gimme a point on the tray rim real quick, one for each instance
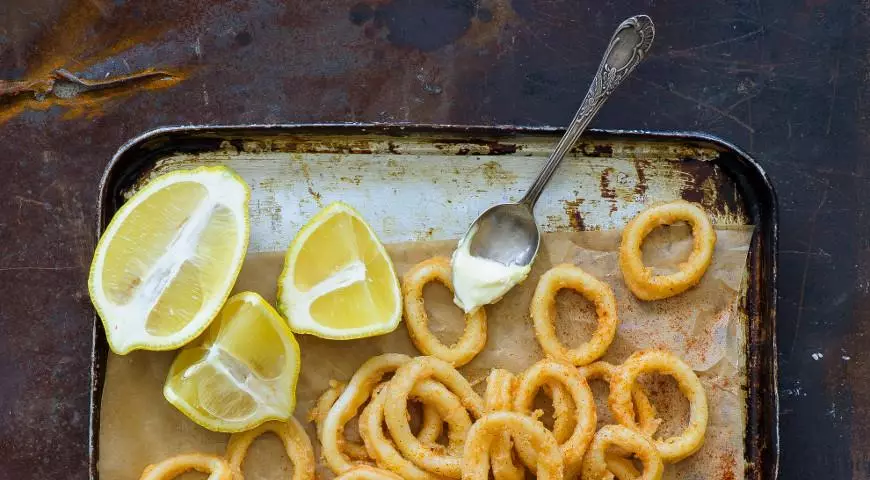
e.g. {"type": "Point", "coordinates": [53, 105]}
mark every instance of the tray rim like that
{"type": "Point", "coordinates": [769, 229]}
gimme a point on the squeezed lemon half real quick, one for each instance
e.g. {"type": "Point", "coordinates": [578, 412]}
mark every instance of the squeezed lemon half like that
{"type": "Point", "coordinates": [241, 372]}
{"type": "Point", "coordinates": [338, 280]}
{"type": "Point", "coordinates": [169, 258]}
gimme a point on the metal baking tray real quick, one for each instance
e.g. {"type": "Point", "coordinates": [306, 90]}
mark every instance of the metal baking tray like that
{"type": "Point", "coordinates": [396, 173]}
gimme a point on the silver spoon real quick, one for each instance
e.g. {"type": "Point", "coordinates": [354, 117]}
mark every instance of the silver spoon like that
{"type": "Point", "coordinates": [508, 233]}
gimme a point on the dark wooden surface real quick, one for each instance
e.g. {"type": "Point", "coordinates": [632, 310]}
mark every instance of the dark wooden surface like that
{"type": "Point", "coordinates": [784, 79]}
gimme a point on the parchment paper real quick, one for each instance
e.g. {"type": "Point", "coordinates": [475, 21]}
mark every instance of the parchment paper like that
{"type": "Point", "coordinates": [703, 326]}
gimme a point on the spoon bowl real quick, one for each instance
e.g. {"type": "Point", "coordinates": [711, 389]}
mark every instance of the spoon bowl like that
{"type": "Point", "coordinates": [506, 233]}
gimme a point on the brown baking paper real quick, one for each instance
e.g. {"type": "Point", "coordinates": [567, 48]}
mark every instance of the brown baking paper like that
{"type": "Point", "coordinates": [702, 325]}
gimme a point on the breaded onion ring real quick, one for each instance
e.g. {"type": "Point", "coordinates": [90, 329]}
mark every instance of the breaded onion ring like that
{"type": "Point", "coordinates": [672, 449]}
{"type": "Point", "coordinates": [399, 390]}
{"type": "Point", "coordinates": [595, 466]}
{"type": "Point", "coordinates": [533, 380]}
{"type": "Point", "coordinates": [429, 432]}
{"type": "Point", "coordinates": [646, 412]}
{"type": "Point", "coordinates": [473, 338]}
{"type": "Point", "coordinates": [500, 391]}
{"type": "Point", "coordinates": [382, 449]}
{"type": "Point", "coordinates": [486, 430]}
{"type": "Point", "coordinates": [292, 435]}
{"type": "Point", "coordinates": [216, 467]}
{"type": "Point", "coordinates": [365, 472]}
{"type": "Point", "coordinates": [638, 277]}
{"type": "Point", "coordinates": [543, 311]}
{"type": "Point", "coordinates": [351, 399]}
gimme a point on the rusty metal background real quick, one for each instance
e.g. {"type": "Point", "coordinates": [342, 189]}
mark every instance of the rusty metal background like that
{"type": "Point", "coordinates": [294, 170]}
{"type": "Point", "coordinates": [784, 79]}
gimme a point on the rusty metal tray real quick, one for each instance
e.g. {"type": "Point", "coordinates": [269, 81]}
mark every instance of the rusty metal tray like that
{"type": "Point", "coordinates": [384, 170]}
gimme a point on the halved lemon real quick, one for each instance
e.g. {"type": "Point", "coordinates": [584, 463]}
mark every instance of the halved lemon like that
{"type": "Point", "coordinates": [169, 258]}
{"type": "Point", "coordinates": [338, 280]}
{"type": "Point", "coordinates": [241, 372]}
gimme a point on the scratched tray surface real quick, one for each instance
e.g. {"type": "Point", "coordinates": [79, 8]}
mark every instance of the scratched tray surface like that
{"type": "Point", "coordinates": [430, 183]}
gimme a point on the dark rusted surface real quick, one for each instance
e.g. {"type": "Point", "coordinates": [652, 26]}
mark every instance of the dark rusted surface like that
{"type": "Point", "coordinates": [784, 79]}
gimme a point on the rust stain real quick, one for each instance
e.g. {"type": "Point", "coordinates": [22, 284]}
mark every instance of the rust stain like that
{"type": "Point", "coordinates": [474, 147]}
{"type": "Point", "coordinates": [396, 169]}
{"type": "Point", "coordinates": [316, 196]}
{"type": "Point", "coordinates": [640, 167]}
{"type": "Point", "coordinates": [429, 234]}
{"type": "Point", "coordinates": [575, 217]}
{"type": "Point", "coordinates": [594, 150]}
{"type": "Point", "coordinates": [69, 40]}
{"type": "Point", "coordinates": [337, 145]}
{"type": "Point", "coordinates": [608, 192]}
{"type": "Point", "coordinates": [84, 99]}
{"type": "Point", "coordinates": [726, 466]}
{"type": "Point", "coordinates": [306, 172]}
{"type": "Point", "coordinates": [495, 174]}
{"type": "Point", "coordinates": [356, 179]}
{"type": "Point", "coordinates": [698, 173]}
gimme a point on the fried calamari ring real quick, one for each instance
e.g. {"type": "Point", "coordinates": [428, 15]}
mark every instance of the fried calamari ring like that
{"type": "Point", "coordinates": [487, 429]}
{"type": "Point", "coordinates": [549, 372]}
{"type": "Point", "coordinates": [473, 338]}
{"type": "Point", "coordinates": [595, 466]}
{"type": "Point", "coordinates": [500, 390]}
{"type": "Point", "coordinates": [564, 420]}
{"type": "Point", "coordinates": [543, 312]}
{"type": "Point", "coordinates": [646, 412]}
{"type": "Point", "coordinates": [292, 435]}
{"type": "Point", "coordinates": [351, 399]}
{"type": "Point", "coordinates": [317, 414]}
{"type": "Point", "coordinates": [638, 277]}
{"type": "Point", "coordinates": [399, 390]}
{"type": "Point", "coordinates": [429, 432]}
{"type": "Point", "coordinates": [384, 451]}
{"type": "Point", "coordinates": [675, 448]}
{"type": "Point", "coordinates": [622, 468]}
{"type": "Point", "coordinates": [365, 472]}
{"type": "Point", "coordinates": [216, 467]}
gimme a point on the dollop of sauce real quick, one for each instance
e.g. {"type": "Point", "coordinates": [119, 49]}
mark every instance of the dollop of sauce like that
{"type": "Point", "coordinates": [480, 281]}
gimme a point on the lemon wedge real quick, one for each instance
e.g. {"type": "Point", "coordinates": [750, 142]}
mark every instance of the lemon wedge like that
{"type": "Point", "coordinates": [241, 372]}
{"type": "Point", "coordinates": [338, 281]}
{"type": "Point", "coordinates": [169, 258]}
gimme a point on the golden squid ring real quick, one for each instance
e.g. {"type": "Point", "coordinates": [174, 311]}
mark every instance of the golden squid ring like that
{"type": "Point", "coordinates": [399, 390]}
{"type": "Point", "coordinates": [384, 451]}
{"type": "Point", "coordinates": [489, 428]}
{"type": "Point", "coordinates": [543, 311]}
{"type": "Point", "coordinates": [639, 278]}
{"type": "Point", "coordinates": [473, 338]}
{"type": "Point", "coordinates": [690, 440]}
{"type": "Point", "coordinates": [429, 431]}
{"type": "Point", "coordinates": [549, 372]}
{"type": "Point", "coordinates": [595, 464]}
{"type": "Point", "coordinates": [622, 468]}
{"type": "Point", "coordinates": [366, 472]}
{"type": "Point", "coordinates": [317, 414]}
{"type": "Point", "coordinates": [358, 390]}
{"type": "Point", "coordinates": [292, 435]}
{"type": "Point", "coordinates": [646, 412]}
{"type": "Point", "coordinates": [216, 467]}
{"type": "Point", "coordinates": [500, 392]}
